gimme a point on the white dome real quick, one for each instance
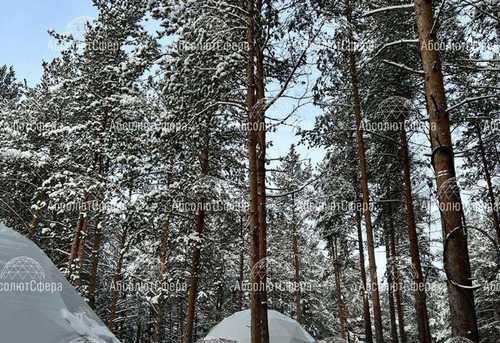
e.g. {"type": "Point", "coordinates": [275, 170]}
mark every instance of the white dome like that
{"type": "Point", "coordinates": [35, 295]}
{"type": "Point", "coordinates": [282, 329]}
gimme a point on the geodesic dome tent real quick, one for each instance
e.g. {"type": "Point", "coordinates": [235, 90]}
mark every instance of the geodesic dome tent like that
{"type": "Point", "coordinates": [37, 304]}
{"type": "Point", "coordinates": [236, 328]}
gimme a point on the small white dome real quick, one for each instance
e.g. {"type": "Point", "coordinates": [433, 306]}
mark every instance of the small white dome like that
{"type": "Point", "coordinates": [282, 329]}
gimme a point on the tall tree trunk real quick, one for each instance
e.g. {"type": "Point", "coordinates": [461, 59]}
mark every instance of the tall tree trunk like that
{"type": "Point", "coordinates": [78, 241]}
{"type": "Point", "coordinates": [256, 161]}
{"type": "Point", "coordinates": [99, 232]}
{"type": "Point", "coordinates": [296, 264]}
{"type": "Point", "coordinates": [164, 253]}
{"type": "Point", "coordinates": [377, 313]}
{"type": "Point", "coordinates": [180, 315]}
{"type": "Point", "coordinates": [418, 277]}
{"type": "Point", "coordinates": [96, 253]}
{"type": "Point", "coordinates": [98, 238]}
{"type": "Point", "coordinates": [241, 265]}
{"type": "Point", "coordinates": [138, 335]}
{"type": "Point", "coordinates": [261, 164]}
{"type": "Point", "coordinates": [256, 315]}
{"type": "Point", "coordinates": [461, 300]}
{"type": "Point", "coordinates": [170, 321]}
{"type": "Point", "coordinates": [397, 279]}
{"type": "Point", "coordinates": [35, 220]}
{"type": "Point", "coordinates": [390, 281]}
{"type": "Point", "coordinates": [196, 258]}
{"type": "Point", "coordinates": [99, 162]}
{"type": "Point", "coordinates": [297, 290]}
{"type": "Point", "coordinates": [37, 217]}
{"type": "Point", "coordinates": [117, 279]}
{"type": "Point", "coordinates": [338, 290]}
{"type": "Point", "coordinates": [164, 250]}
{"type": "Point", "coordinates": [487, 176]}
{"type": "Point", "coordinates": [81, 248]}
{"type": "Point", "coordinates": [366, 303]}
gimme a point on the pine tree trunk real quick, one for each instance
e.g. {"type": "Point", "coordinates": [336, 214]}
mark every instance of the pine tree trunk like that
{"type": "Point", "coordinates": [366, 303]}
{"type": "Point", "coordinates": [255, 306]}
{"type": "Point", "coordinates": [241, 265]}
{"type": "Point", "coordinates": [138, 335]}
{"type": "Point", "coordinates": [96, 253]}
{"type": "Point", "coordinates": [35, 220]}
{"type": "Point", "coordinates": [487, 176]}
{"type": "Point", "coordinates": [296, 263]}
{"type": "Point", "coordinates": [117, 279]}
{"type": "Point", "coordinates": [377, 313]}
{"type": "Point", "coordinates": [390, 283]}
{"type": "Point", "coordinates": [262, 237]}
{"type": "Point", "coordinates": [397, 280]}
{"type": "Point", "coordinates": [180, 315]}
{"type": "Point", "coordinates": [261, 165]}
{"type": "Point", "coordinates": [76, 246]}
{"type": "Point", "coordinates": [256, 161]}
{"type": "Point", "coordinates": [461, 300]}
{"type": "Point", "coordinates": [98, 233]}
{"type": "Point", "coordinates": [418, 277]}
{"type": "Point", "coordinates": [196, 258]}
{"type": "Point", "coordinates": [338, 290]}
{"type": "Point", "coordinates": [368, 222]}
{"type": "Point", "coordinates": [164, 252]}
{"type": "Point", "coordinates": [81, 248]}
{"type": "Point", "coordinates": [170, 321]}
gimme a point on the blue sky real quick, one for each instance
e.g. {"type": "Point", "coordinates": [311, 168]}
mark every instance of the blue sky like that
{"type": "Point", "coordinates": [23, 31]}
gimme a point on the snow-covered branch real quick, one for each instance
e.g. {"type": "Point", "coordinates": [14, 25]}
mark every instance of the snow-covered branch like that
{"type": "Point", "coordinates": [402, 66]}
{"type": "Point", "coordinates": [472, 99]}
{"type": "Point", "coordinates": [388, 8]}
{"type": "Point", "coordinates": [401, 41]}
